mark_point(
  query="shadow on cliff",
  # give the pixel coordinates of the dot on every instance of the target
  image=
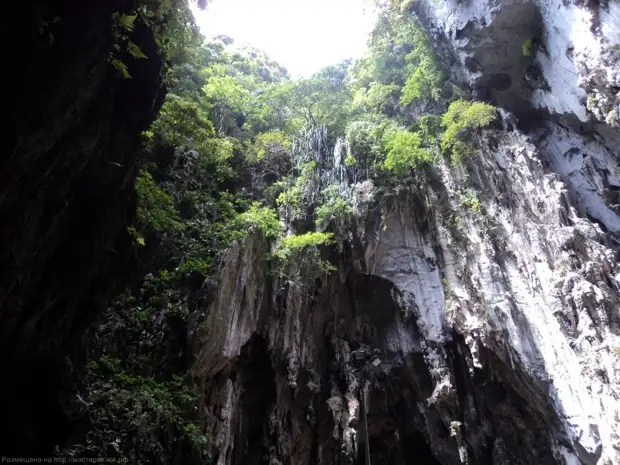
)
(70, 132)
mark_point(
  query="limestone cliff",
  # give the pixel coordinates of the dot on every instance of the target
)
(483, 329)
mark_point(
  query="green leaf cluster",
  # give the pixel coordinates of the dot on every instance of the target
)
(260, 218)
(171, 24)
(405, 151)
(333, 208)
(400, 66)
(271, 143)
(138, 419)
(364, 137)
(299, 192)
(155, 206)
(424, 75)
(302, 249)
(470, 201)
(461, 119)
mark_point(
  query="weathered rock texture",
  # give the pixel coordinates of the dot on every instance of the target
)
(70, 128)
(570, 74)
(498, 334)
(569, 66)
(497, 326)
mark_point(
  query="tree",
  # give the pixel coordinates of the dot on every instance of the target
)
(323, 99)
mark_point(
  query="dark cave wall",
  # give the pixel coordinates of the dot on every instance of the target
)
(70, 134)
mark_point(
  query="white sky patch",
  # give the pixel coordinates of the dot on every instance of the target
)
(301, 35)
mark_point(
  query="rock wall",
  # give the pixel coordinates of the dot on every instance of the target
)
(560, 55)
(70, 127)
(555, 64)
(497, 334)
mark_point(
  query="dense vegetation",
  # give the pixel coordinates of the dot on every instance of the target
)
(235, 151)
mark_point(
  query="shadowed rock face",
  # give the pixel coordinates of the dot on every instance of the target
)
(70, 128)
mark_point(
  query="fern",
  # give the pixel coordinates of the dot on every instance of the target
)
(126, 22)
(121, 68)
(134, 50)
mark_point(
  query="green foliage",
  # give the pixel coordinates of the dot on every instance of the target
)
(322, 99)
(375, 97)
(459, 121)
(121, 68)
(429, 128)
(134, 50)
(527, 48)
(334, 208)
(452, 221)
(155, 206)
(470, 201)
(350, 160)
(399, 67)
(184, 124)
(228, 92)
(299, 192)
(180, 117)
(385, 62)
(365, 142)
(300, 250)
(425, 78)
(122, 26)
(123, 22)
(138, 419)
(170, 22)
(196, 265)
(271, 143)
(259, 218)
(298, 242)
(364, 139)
(136, 236)
(290, 202)
(405, 151)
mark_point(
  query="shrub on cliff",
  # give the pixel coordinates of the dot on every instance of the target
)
(405, 151)
(461, 119)
(299, 250)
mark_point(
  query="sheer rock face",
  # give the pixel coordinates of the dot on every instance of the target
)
(498, 334)
(71, 127)
(546, 61)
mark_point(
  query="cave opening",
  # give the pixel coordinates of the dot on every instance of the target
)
(259, 394)
(382, 327)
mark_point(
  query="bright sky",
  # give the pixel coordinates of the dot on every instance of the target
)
(301, 35)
